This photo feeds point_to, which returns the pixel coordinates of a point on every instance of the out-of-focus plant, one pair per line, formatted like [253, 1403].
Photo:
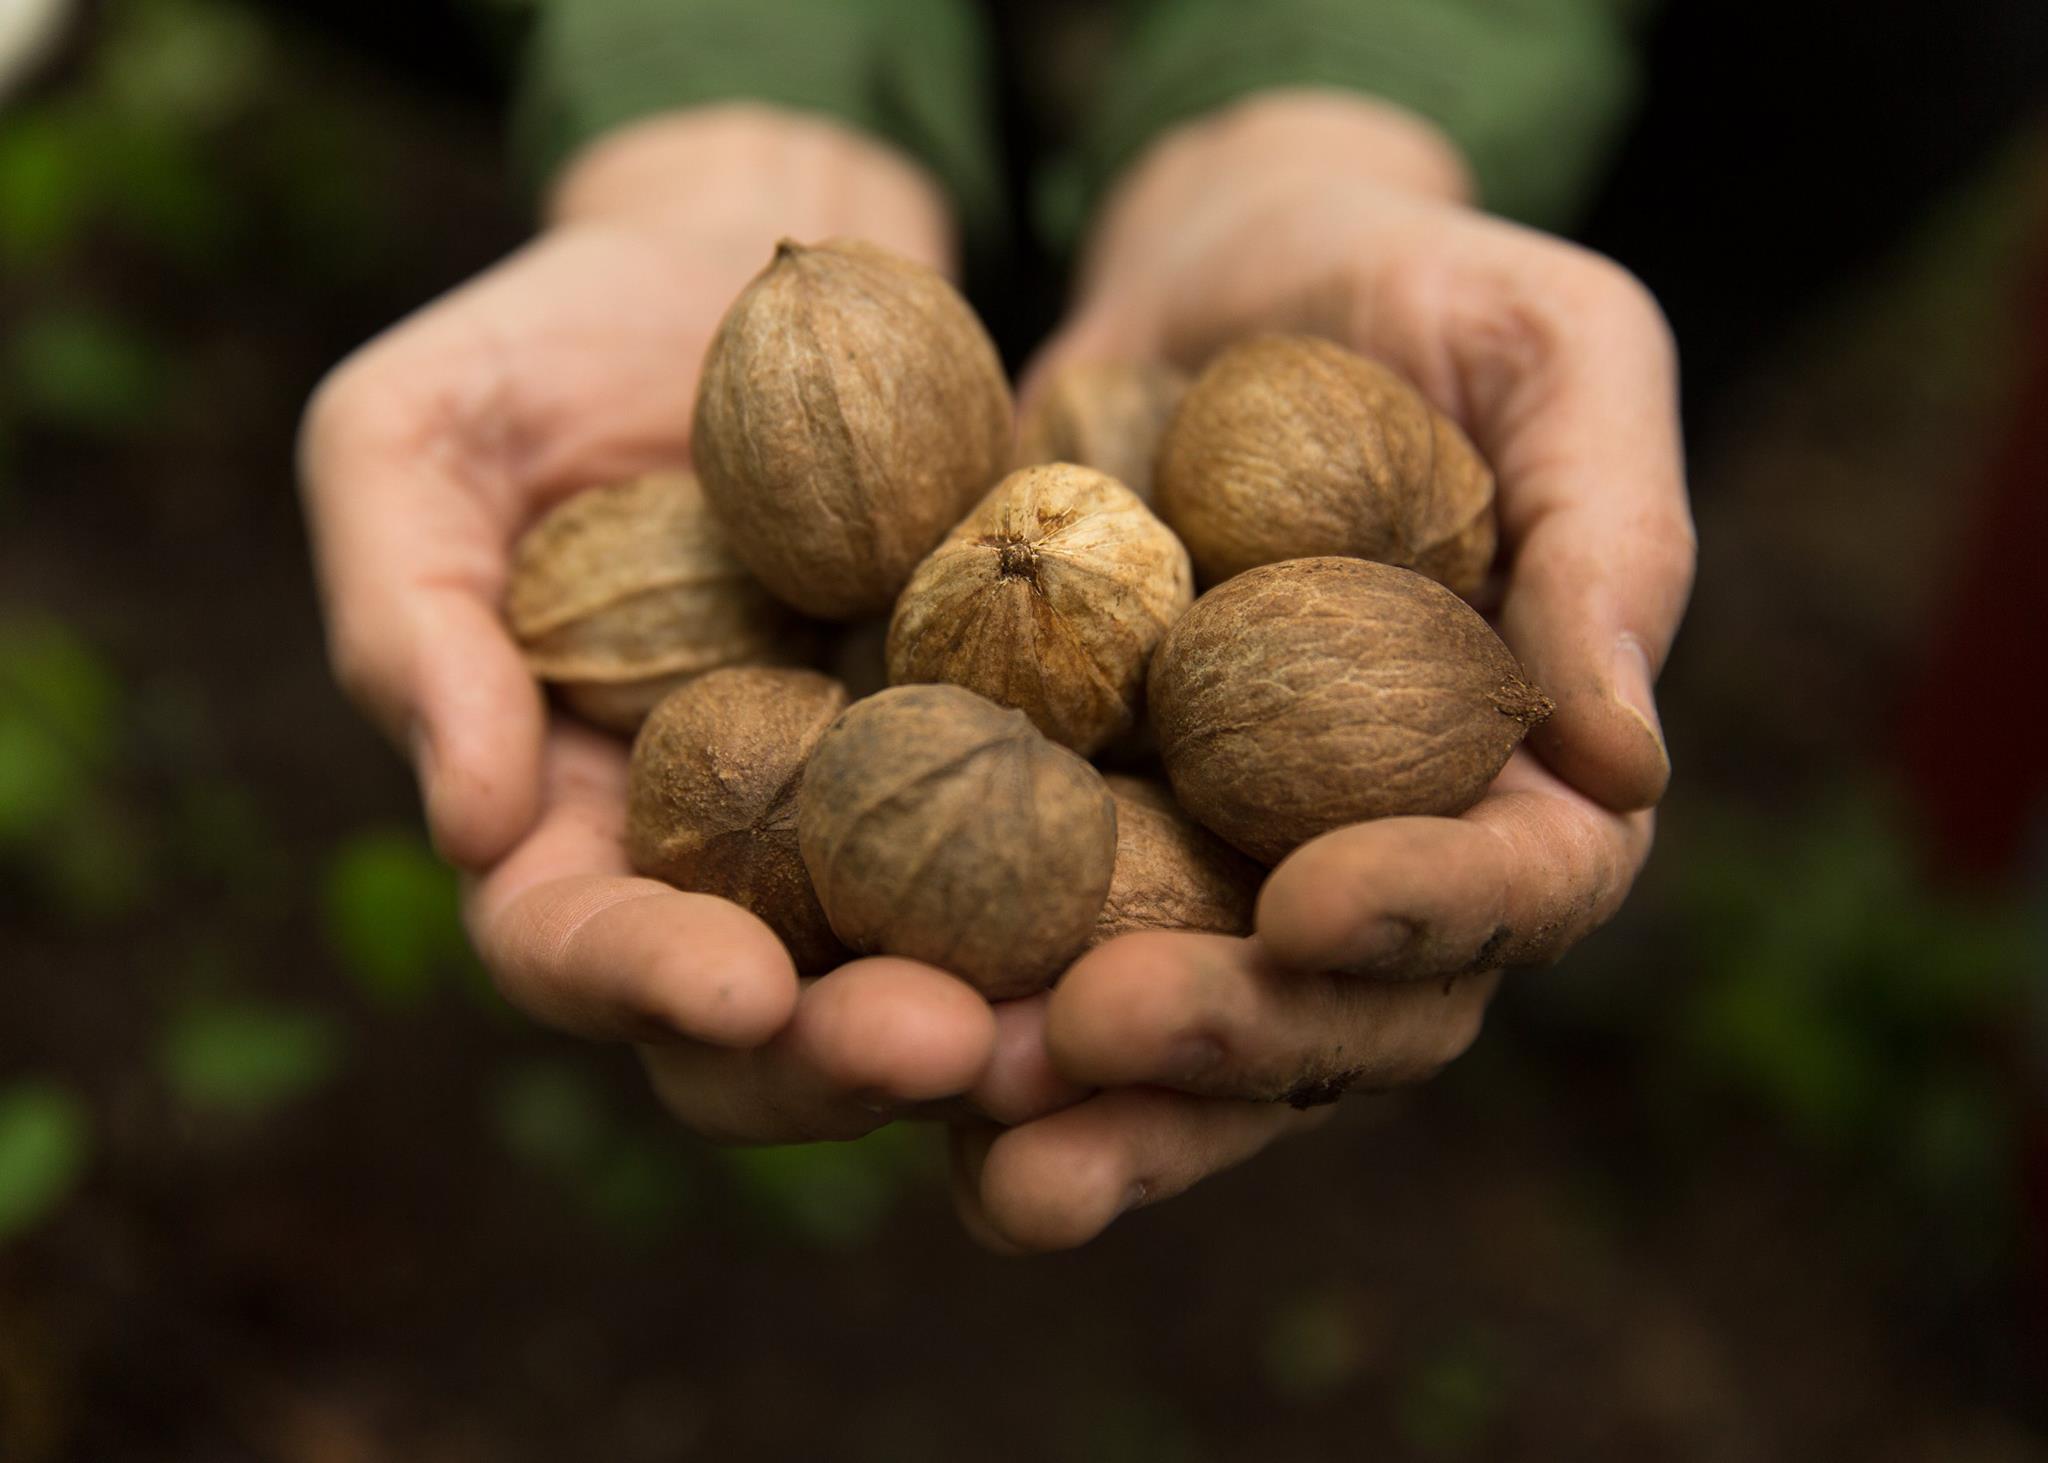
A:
[391, 914]
[45, 1141]
[1451, 1398]
[1867, 1011]
[84, 370]
[64, 833]
[830, 1195]
[246, 1057]
[553, 1118]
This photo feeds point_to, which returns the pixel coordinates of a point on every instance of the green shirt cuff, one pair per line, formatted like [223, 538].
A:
[914, 73]
[1533, 91]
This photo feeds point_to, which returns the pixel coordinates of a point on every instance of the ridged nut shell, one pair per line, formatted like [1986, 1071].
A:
[1292, 447]
[941, 827]
[1050, 597]
[1305, 696]
[1172, 873]
[621, 593]
[1108, 415]
[852, 408]
[712, 797]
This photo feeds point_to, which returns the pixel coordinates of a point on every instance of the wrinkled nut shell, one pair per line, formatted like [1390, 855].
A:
[1291, 447]
[1108, 415]
[621, 593]
[940, 827]
[1305, 696]
[1171, 873]
[851, 409]
[1050, 597]
[712, 802]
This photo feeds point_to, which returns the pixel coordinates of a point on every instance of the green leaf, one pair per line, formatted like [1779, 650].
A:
[639, 1186]
[829, 1195]
[243, 1056]
[83, 369]
[45, 1138]
[1451, 1401]
[45, 188]
[392, 916]
[40, 780]
[549, 1115]
[52, 676]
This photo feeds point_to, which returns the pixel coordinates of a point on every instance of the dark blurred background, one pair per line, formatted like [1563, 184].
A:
[1760, 1172]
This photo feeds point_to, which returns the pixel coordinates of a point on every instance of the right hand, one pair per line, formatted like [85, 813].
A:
[422, 458]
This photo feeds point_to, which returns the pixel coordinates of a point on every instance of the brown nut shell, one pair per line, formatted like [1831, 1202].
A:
[712, 800]
[938, 826]
[851, 409]
[1304, 696]
[1171, 873]
[1292, 447]
[1108, 415]
[623, 592]
[1050, 597]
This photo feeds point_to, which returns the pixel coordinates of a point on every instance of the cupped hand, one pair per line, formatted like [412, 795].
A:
[1378, 946]
[424, 456]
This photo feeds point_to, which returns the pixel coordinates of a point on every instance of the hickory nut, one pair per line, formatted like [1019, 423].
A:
[940, 827]
[1171, 873]
[621, 593]
[1050, 597]
[1304, 696]
[1108, 415]
[851, 409]
[1289, 447]
[712, 799]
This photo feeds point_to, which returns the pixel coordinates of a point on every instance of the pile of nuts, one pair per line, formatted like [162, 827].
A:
[1003, 603]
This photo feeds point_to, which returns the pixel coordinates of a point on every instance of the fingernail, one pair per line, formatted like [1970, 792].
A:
[1192, 1056]
[1632, 688]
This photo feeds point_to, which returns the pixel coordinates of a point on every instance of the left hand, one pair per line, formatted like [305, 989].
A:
[1377, 946]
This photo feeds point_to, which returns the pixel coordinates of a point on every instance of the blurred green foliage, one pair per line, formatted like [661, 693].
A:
[45, 1141]
[85, 369]
[392, 918]
[63, 830]
[1874, 1016]
[1447, 1404]
[830, 1195]
[247, 1057]
[638, 1174]
[552, 1117]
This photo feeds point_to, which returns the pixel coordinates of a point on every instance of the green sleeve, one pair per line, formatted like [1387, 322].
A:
[1531, 90]
[912, 72]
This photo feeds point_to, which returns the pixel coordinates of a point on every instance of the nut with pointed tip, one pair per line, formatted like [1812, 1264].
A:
[621, 593]
[1304, 696]
[1050, 597]
[1291, 447]
[1108, 415]
[851, 409]
[1171, 873]
[940, 827]
[712, 797]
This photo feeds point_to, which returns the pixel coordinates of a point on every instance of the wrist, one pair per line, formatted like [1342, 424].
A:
[1320, 133]
[744, 175]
